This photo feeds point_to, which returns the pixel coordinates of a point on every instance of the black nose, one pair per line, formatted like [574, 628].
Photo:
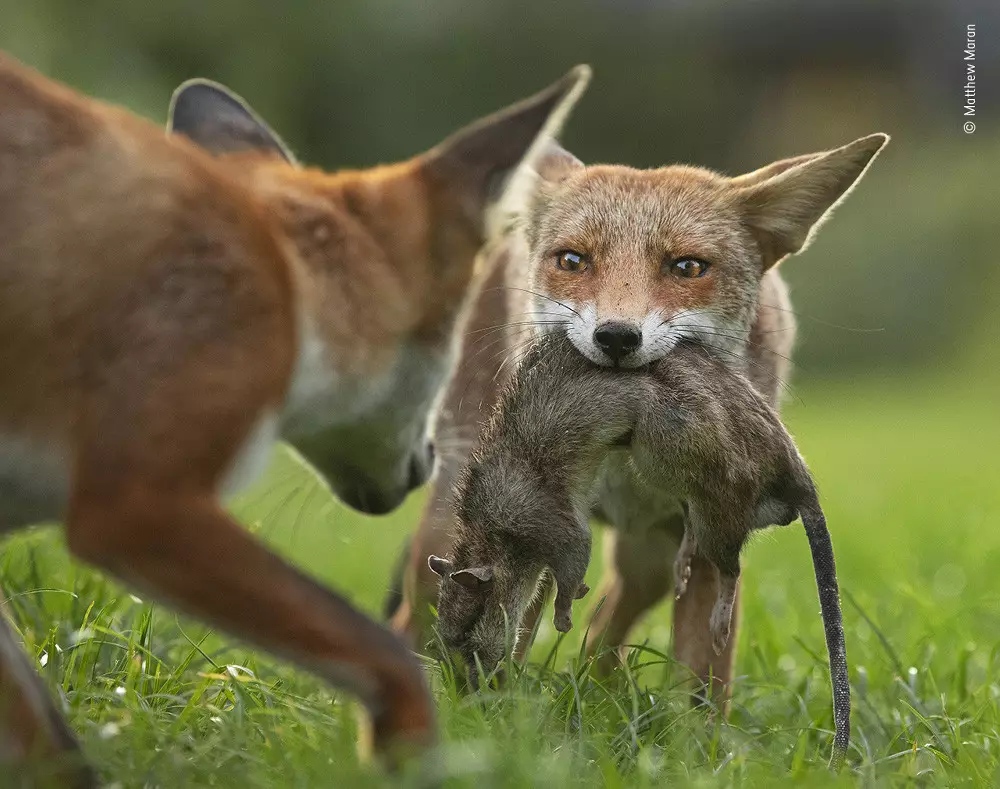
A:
[618, 340]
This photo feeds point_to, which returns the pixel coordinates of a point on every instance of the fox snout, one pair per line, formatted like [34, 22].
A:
[422, 465]
[613, 340]
[618, 340]
[361, 491]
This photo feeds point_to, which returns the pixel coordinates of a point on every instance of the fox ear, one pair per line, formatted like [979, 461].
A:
[220, 121]
[482, 158]
[554, 163]
[772, 169]
[786, 202]
[473, 577]
[551, 166]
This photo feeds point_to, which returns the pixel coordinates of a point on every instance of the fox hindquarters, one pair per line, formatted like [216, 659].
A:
[171, 305]
[693, 427]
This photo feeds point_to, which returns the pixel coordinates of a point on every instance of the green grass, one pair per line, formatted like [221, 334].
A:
[909, 476]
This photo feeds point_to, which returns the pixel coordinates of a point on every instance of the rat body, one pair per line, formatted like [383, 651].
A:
[692, 425]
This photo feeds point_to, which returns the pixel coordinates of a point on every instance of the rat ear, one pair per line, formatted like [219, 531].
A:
[439, 566]
[582, 591]
[218, 120]
[473, 577]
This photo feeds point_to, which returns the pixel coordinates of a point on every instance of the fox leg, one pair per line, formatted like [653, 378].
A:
[707, 613]
[637, 576]
[33, 736]
[466, 406]
[182, 548]
[170, 403]
[411, 618]
[693, 638]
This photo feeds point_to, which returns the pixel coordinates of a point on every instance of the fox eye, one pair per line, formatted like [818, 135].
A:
[571, 261]
[688, 268]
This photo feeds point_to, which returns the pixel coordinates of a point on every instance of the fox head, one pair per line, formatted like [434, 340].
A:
[632, 261]
[384, 260]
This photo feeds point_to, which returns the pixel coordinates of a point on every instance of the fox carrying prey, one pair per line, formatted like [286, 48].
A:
[693, 428]
[627, 263]
[171, 305]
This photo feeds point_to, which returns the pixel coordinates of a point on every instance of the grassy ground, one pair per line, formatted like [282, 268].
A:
[909, 474]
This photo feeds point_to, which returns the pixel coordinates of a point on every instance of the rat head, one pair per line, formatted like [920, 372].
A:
[635, 260]
[384, 260]
[482, 603]
[482, 600]
[508, 533]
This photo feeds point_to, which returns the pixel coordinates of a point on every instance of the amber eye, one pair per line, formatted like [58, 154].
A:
[571, 261]
[689, 268]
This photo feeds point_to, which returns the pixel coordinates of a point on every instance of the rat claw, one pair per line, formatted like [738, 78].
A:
[682, 574]
[682, 564]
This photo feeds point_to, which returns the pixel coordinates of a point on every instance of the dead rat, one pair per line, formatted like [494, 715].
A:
[693, 426]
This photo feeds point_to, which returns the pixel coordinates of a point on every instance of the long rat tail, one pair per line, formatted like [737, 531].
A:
[829, 600]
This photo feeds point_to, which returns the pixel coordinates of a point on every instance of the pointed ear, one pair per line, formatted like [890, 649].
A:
[552, 165]
[481, 158]
[786, 202]
[221, 122]
[439, 566]
[772, 169]
[473, 577]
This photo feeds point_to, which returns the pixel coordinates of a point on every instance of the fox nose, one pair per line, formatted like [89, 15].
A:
[618, 340]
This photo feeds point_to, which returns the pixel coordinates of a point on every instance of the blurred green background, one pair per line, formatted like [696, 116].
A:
[906, 274]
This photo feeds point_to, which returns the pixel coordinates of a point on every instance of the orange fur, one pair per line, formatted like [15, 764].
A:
[172, 304]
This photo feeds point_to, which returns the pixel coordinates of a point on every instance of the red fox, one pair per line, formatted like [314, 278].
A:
[628, 263]
[170, 305]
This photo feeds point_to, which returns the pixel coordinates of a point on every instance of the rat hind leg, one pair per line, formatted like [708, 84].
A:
[722, 612]
[719, 534]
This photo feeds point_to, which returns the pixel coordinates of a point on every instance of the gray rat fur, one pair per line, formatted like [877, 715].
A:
[693, 426]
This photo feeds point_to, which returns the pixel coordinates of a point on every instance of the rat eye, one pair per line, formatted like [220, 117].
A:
[571, 261]
[688, 268]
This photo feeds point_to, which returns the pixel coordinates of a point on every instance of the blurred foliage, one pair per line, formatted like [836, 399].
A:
[903, 276]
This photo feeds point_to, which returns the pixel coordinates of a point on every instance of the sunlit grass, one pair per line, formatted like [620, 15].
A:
[909, 478]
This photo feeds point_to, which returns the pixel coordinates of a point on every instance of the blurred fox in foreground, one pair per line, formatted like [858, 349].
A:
[628, 263]
[172, 305]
